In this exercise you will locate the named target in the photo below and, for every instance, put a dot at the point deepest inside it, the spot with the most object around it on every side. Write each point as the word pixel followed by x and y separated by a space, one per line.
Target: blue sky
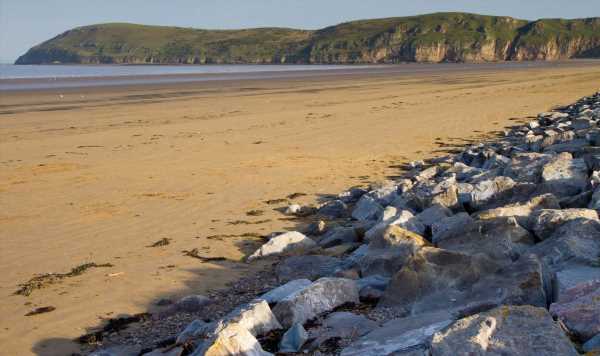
pixel 24 23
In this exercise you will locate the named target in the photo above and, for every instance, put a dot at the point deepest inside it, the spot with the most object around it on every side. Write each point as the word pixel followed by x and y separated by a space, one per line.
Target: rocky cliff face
pixel 444 37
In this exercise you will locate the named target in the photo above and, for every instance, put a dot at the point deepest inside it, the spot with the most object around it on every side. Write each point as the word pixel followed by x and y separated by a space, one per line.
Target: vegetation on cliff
pixel 439 37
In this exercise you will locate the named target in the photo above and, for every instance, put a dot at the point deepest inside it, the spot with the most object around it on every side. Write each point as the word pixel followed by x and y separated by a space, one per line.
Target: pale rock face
pixel 506 330
pixel 233 341
pixel 574 243
pixel 306 267
pixel 284 290
pixel 289 242
pixel 564 176
pixel 527 167
pixel 322 296
pixel 544 222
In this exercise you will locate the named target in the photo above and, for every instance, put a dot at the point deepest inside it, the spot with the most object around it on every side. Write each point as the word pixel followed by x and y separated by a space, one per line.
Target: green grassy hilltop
pixel 439 37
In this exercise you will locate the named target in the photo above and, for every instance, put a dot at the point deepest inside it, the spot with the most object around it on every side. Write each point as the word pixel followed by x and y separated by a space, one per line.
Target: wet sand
pixel 99 174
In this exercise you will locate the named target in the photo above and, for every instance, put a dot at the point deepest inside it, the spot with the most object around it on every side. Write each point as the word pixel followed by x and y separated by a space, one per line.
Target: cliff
pixel 440 37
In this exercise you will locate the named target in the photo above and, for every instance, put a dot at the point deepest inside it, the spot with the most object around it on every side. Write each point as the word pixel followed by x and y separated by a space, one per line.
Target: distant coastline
pixel 431 38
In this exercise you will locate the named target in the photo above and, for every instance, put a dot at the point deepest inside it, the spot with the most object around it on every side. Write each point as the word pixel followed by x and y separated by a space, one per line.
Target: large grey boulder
pixel 390 250
pixel 436 279
pixel 450 226
pixel 277 294
pixel 333 209
pixel 575 242
pixel 400 336
pixel 490 193
pixel 565 176
pixel 236 333
pixel 255 316
pixel 385 193
pixel 521 211
pixel 403 218
pixel 342 325
pixel 322 296
pixel 506 330
pixel 500 239
pixel 544 222
pixel 306 267
pixel 579 309
pixel 367 208
pixel 291 242
pixel 232 341
pixel 338 236
pixel 527 167
pixel 595 203
pixel 433 214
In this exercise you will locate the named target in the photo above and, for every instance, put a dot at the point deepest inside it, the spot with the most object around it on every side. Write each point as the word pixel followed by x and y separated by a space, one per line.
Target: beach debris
pixel 41 310
pixel 255 212
pixel 195 253
pixel 162 242
pixel 44 280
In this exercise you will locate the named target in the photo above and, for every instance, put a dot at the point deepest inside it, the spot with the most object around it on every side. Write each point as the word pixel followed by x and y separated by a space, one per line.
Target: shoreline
pixel 10 85
pixel 101 178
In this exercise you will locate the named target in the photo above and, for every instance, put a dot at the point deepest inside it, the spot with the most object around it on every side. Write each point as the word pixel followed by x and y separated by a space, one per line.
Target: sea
pixel 57 76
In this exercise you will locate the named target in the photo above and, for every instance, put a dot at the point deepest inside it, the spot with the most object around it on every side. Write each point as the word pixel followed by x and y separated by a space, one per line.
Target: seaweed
pixel 41 310
pixel 113 325
pixel 44 280
pixel 196 254
pixel 255 213
pixel 162 242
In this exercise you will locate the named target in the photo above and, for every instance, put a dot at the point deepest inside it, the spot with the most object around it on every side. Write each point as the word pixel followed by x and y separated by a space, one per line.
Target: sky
pixel 25 23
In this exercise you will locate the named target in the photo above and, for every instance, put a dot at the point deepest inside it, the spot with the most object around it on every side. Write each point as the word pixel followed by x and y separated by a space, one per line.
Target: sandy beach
pixel 97 175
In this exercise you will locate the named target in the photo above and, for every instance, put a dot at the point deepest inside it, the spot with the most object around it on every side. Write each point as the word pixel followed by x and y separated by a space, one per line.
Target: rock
pixel 352 195
pixel 426 174
pixel 191 303
pixel 287 243
pixel 506 330
pixel 343 325
pixel 389 251
pixel 579 309
pixel 232 341
pixel 572 276
pixel 176 351
pixel 500 239
pixel 306 267
pixel 433 214
pixel 544 222
pixel 527 167
pixel 579 201
pixel 193 331
pixel 317 228
pixel 404 219
pixel 435 279
pixel 592 345
pixel 339 236
pixel 595 203
pixel 373 281
pixel 399 336
pixel 495 192
pixel 124 350
pixel 293 339
pixel 385 194
pixel 565 176
pixel 277 294
pixel 521 211
pixel 367 209
pixel 322 296
pixel 354 259
pixel 574 147
pixel 445 194
pixel 333 209
pixel 575 242
pixel 370 295
pixel 341 250
pixel 462 171
pixel 256 317
pixel 293 209
pixel 449 226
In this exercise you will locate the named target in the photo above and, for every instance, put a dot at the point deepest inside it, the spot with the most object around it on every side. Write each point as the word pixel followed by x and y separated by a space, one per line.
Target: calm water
pixel 44 77
pixel 10 71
